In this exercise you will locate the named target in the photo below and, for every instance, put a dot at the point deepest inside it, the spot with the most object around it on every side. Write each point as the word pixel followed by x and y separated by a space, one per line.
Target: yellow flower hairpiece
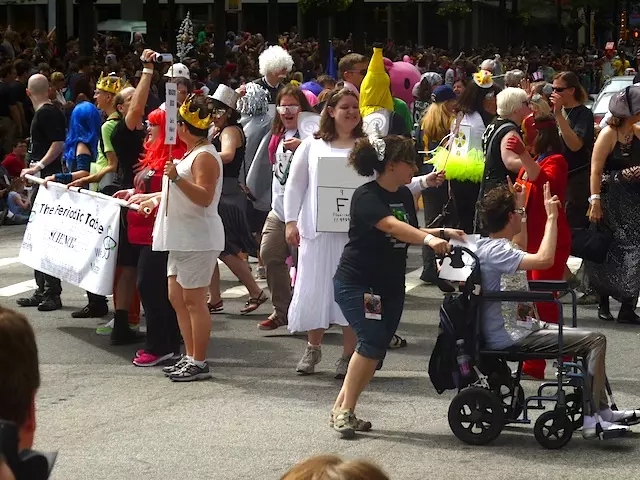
pixel 483 79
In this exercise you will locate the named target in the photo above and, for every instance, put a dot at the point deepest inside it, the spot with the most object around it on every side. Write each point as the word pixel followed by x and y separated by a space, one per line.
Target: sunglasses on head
pixel 284 109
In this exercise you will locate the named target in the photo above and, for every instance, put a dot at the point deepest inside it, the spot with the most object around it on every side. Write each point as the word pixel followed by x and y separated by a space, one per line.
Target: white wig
pixel 510 100
pixel 488 65
pixel 273 59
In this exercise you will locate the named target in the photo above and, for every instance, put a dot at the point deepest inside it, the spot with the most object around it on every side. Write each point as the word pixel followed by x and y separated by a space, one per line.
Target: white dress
pixel 312 306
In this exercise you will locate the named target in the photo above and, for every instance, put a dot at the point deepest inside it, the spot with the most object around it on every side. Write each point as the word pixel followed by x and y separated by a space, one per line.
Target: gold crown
pixel 193 118
pixel 111 84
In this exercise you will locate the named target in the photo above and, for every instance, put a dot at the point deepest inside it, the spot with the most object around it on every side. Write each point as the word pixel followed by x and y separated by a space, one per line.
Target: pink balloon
pixel 406 58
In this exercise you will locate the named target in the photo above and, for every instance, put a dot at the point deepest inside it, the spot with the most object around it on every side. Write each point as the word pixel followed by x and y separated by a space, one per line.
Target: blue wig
pixel 84 127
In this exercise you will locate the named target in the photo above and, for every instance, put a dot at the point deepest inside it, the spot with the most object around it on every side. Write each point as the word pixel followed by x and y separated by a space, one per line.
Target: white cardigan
pixel 301 190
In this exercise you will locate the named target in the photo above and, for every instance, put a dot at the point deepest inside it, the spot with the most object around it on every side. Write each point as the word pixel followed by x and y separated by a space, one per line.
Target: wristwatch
pixel 443 235
pixel 177 179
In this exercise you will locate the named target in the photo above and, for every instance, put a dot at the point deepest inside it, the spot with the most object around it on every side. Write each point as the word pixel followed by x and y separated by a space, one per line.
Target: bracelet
pixel 594 197
pixel 443 234
pixel 177 179
pixel 147 70
pixel 40 165
pixel 428 238
pixel 155 201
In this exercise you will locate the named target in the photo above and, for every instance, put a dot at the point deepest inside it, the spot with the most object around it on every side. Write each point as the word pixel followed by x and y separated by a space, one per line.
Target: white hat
pixel 226 95
pixel 178 70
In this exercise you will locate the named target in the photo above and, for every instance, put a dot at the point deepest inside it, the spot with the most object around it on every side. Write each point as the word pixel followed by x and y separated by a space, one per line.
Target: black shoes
pixel 92 310
pixel 627 315
pixel 44 304
pixel 605 314
pixel 122 333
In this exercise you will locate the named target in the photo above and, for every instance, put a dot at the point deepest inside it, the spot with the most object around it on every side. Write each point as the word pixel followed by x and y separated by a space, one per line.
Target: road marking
pixel 412 280
pixel 8 261
pixel 18 288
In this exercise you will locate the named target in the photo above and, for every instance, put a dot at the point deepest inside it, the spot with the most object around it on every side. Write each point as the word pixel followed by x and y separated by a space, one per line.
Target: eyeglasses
pixel 284 109
pixel 218 112
pixel 560 89
pixel 362 72
pixel 520 210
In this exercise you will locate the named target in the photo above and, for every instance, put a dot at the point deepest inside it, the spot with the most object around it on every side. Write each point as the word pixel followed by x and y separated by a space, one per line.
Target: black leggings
pixel 163 335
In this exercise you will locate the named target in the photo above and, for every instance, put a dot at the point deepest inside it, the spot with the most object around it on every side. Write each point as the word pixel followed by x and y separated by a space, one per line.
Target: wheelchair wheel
pixel 476 416
pixel 553 429
pixel 574 409
pixel 504 390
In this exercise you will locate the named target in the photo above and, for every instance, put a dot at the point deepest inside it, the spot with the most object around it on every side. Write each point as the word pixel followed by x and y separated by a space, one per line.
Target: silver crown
pixel 226 95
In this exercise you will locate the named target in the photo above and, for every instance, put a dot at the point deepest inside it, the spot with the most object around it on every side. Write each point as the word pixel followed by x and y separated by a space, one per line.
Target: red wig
pixel 156 153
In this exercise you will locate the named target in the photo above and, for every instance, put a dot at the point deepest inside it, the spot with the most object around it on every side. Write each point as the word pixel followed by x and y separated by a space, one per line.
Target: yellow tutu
pixel 469 168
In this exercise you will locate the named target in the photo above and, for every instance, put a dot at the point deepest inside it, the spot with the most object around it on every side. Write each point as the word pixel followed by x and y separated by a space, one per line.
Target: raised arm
pixel 141 95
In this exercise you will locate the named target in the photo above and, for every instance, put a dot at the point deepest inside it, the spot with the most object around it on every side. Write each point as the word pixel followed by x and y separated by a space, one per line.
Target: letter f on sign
pixel 341 202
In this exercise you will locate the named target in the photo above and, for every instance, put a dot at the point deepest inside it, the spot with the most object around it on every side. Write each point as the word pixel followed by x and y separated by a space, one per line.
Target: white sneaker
pixel 607 430
pixel 311 357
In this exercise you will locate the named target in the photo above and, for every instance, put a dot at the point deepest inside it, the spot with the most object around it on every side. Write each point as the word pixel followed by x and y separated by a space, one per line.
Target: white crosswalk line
pixel 18 288
pixel 8 261
pixel 412 280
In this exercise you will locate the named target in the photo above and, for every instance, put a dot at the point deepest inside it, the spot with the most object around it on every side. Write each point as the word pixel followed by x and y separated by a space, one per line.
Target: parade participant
pixel 229 141
pixel 352 69
pixel 476 110
pixel 163 335
pixel 274 249
pixel 422 92
pixel 615 176
pixel 45 150
pixel 539 108
pixel 369 281
pixel 500 213
pixel 188 226
pixel 545 165
pixel 275 64
pixel 319 253
pixel 500 162
pixel 436 125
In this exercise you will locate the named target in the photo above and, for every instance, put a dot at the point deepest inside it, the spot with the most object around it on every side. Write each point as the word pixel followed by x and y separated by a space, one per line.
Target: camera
pixel 27 464
pixel 164 58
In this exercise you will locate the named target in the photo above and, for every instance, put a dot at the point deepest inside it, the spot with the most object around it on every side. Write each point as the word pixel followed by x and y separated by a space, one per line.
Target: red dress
pixel 553 170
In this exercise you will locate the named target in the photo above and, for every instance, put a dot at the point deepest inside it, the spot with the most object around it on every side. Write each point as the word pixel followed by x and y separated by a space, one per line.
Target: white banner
pixel 74 237
pixel 337 180
pixel 171 108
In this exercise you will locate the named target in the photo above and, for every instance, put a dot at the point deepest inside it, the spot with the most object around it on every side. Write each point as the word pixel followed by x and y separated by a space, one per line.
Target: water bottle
pixel 463 359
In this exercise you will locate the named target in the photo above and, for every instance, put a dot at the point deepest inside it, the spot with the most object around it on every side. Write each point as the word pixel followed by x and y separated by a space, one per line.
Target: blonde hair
pixel 332 467
pixel 540 106
pixel 436 122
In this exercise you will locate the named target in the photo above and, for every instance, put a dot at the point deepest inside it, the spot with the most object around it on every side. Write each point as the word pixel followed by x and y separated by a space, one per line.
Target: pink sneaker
pixel 140 352
pixel 149 360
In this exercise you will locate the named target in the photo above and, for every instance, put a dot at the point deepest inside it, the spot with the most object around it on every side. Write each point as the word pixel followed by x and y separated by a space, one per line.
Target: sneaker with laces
pixel 341 367
pixel 191 373
pixel 181 362
pixel 312 356
pixel 271 323
pixel 345 423
pixel 147 359
pixel 361 425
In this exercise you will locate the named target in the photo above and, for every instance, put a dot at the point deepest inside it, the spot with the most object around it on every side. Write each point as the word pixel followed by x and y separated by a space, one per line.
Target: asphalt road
pixel 256 417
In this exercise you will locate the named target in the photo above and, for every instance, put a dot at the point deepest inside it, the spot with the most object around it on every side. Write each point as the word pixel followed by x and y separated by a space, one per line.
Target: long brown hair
pixel 571 80
pixel 278 128
pixel 327 130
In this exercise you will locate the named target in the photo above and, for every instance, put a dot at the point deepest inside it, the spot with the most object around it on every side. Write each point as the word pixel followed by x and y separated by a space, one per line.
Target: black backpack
pixel 459 315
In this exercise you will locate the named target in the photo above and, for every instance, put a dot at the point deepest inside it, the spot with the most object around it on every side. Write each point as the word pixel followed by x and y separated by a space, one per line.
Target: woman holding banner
pixel 189 228
pixel 163 335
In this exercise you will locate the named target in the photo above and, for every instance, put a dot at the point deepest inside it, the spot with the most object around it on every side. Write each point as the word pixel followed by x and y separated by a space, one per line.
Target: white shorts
pixel 192 269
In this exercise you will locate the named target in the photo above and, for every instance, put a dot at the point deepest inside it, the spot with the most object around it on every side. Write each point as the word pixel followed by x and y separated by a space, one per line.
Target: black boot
pixel 603 309
pixel 121 333
pixel 627 313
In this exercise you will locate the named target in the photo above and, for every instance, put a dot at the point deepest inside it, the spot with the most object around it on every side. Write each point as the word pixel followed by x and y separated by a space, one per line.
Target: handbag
pixel 591 243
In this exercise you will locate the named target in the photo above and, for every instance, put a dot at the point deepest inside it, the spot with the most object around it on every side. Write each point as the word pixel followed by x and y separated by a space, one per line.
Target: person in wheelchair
pixel 503 266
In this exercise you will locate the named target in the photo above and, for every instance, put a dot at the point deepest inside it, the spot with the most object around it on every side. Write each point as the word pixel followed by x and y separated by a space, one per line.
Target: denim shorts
pixel 373 335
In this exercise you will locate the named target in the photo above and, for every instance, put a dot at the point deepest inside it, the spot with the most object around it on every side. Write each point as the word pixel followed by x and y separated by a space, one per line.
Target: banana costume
pixel 375 91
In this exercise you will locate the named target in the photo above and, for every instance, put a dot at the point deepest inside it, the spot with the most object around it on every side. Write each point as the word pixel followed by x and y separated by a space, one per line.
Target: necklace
pixel 193 148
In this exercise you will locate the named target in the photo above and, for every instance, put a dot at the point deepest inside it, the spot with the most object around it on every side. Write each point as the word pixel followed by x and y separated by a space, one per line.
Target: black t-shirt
pixel 127 145
pixel 6 99
pixel 48 126
pixel 495 172
pixel 581 120
pixel 20 94
pixel 372 258
pixel 273 91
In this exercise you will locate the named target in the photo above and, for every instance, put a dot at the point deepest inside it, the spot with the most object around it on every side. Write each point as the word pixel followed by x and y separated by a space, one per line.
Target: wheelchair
pixel 492 396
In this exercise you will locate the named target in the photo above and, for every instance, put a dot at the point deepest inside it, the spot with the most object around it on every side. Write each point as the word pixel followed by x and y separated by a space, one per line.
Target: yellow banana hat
pixel 375 91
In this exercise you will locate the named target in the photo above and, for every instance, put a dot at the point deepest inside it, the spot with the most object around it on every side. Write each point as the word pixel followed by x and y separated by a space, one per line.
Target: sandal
pixel 217 308
pixel 397 342
pixel 253 303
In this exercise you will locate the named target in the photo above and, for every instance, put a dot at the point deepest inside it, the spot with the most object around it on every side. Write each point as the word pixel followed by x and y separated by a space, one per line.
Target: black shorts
pixel 128 254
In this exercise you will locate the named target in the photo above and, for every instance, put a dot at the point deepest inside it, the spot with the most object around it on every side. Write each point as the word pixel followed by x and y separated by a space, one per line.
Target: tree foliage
pixel 324 7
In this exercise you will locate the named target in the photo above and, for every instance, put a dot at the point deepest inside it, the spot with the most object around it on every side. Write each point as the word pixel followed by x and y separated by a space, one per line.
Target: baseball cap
pixel 443 93
pixel 178 70
pixel 625 103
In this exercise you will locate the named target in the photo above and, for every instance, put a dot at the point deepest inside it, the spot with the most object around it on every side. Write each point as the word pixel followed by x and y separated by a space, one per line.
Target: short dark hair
pixel 364 159
pixel 327 130
pixel 495 207
pixel 84 62
pixel 5 70
pixel 18 141
pixel 22 67
pixel 348 62
pixel 20 379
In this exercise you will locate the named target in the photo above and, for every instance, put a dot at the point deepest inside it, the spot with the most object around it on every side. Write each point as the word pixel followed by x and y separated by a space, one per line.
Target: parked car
pixel 600 106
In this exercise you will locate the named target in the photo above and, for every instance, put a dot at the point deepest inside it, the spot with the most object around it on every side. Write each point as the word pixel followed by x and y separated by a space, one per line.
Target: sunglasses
pixel 284 109
pixel 219 112
pixel 560 89
pixel 362 72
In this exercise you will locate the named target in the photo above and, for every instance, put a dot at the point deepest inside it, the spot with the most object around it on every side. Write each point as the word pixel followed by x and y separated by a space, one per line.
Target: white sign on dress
pixel 337 180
